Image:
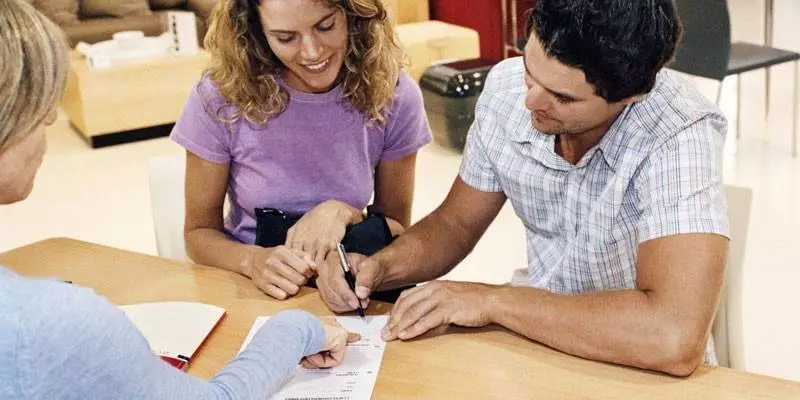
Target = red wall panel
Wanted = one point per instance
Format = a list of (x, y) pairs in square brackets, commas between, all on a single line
[(482, 15), (485, 16)]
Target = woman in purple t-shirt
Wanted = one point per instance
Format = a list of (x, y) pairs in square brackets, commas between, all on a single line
[(306, 109)]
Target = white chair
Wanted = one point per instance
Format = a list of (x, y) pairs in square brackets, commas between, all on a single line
[(728, 327), (167, 201)]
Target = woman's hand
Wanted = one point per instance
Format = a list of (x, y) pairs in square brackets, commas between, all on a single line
[(279, 271), (332, 353), (319, 231)]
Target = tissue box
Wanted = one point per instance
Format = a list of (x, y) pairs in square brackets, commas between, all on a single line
[(432, 42)]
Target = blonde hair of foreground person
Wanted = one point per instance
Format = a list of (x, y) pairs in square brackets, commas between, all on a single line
[(34, 63)]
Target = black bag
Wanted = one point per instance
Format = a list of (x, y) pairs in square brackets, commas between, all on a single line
[(366, 237)]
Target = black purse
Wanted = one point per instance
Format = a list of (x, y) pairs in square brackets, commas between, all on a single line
[(366, 237)]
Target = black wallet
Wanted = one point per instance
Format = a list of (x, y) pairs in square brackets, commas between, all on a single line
[(366, 237)]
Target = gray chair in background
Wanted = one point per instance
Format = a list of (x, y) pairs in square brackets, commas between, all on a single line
[(707, 52)]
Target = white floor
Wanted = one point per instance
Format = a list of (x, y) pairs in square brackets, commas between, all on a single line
[(102, 196)]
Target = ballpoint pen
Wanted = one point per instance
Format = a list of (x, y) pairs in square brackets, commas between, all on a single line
[(348, 276)]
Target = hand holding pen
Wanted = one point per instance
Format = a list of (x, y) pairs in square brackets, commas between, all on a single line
[(348, 275)]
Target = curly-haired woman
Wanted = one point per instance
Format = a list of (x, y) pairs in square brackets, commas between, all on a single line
[(305, 109)]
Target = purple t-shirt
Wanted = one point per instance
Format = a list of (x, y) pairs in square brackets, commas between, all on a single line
[(316, 150)]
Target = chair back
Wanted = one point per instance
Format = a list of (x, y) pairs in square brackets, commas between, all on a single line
[(166, 175), (728, 327), (706, 47)]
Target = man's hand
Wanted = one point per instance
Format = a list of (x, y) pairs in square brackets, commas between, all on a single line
[(333, 288), (369, 275), (435, 304)]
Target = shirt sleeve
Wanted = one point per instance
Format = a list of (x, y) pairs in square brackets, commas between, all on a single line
[(77, 345), (680, 187), (407, 129), (476, 169), (199, 129)]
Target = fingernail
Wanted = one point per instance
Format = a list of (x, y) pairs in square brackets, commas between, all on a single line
[(403, 334), (354, 303), (362, 292)]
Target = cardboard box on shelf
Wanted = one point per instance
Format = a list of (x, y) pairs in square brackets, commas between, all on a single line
[(406, 11), (434, 41)]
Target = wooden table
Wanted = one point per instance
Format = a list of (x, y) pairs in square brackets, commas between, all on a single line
[(128, 102), (490, 363)]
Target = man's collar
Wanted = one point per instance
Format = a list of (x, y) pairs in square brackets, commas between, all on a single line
[(612, 145)]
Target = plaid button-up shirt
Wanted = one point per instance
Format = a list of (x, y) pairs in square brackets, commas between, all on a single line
[(656, 172)]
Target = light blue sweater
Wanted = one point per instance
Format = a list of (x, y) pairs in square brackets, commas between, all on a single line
[(61, 341)]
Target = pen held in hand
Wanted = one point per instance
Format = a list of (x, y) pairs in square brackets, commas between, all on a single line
[(348, 275)]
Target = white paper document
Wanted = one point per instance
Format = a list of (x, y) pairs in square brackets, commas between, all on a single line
[(354, 379)]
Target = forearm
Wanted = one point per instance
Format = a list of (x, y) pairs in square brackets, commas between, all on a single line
[(426, 251), (211, 247), (275, 351), (623, 327), (256, 373), (96, 352)]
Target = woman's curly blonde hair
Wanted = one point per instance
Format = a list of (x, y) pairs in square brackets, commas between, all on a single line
[(245, 68)]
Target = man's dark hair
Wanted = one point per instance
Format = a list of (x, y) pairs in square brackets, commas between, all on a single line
[(619, 44)]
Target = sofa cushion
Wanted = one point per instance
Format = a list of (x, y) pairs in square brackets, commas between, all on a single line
[(62, 12), (201, 8), (99, 29), (162, 4), (114, 8)]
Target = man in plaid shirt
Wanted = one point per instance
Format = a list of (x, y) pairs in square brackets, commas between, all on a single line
[(614, 166)]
